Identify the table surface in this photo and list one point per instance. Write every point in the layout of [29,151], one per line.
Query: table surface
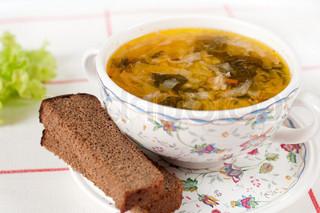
[33,180]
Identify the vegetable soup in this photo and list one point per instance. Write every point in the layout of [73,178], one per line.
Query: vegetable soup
[199,69]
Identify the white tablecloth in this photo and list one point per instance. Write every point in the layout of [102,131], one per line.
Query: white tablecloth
[32,180]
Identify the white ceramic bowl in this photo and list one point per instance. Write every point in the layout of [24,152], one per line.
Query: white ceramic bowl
[198,139]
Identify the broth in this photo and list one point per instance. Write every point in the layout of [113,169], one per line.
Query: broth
[199,69]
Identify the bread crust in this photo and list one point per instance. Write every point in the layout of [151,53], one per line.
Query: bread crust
[99,150]
[170,200]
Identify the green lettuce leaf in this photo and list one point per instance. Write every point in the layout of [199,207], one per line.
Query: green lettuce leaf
[22,72]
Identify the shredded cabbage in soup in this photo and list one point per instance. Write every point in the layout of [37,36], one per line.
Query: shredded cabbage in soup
[199,69]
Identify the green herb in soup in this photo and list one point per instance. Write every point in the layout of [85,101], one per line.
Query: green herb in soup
[199,69]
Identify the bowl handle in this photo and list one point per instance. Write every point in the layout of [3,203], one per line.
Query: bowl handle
[286,135]
[89,64]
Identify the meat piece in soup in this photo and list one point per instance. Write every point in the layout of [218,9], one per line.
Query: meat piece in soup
[199,69]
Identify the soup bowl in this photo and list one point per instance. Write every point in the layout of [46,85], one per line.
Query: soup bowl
[201,139]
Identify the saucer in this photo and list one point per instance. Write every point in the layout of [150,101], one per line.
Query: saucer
[278,173]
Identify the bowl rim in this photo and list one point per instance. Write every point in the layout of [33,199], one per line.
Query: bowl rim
[185,114]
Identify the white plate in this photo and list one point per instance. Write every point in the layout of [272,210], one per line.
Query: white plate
[281,174]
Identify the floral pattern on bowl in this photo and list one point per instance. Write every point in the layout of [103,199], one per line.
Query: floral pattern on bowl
[183,140]
[238,189]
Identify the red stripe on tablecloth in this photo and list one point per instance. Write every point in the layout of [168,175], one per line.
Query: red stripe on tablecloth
[228,10]
[166,10]
[17,20]
[20,171]
[311,67]
[68,81]
[314,201]
[24,19]
[107,16]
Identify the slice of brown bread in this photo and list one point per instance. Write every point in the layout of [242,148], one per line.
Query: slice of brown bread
[169,201]
[105,156]
[138,209]
[171,198]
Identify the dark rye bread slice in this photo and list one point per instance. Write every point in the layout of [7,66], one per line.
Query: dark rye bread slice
[169,201]
[105,156]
